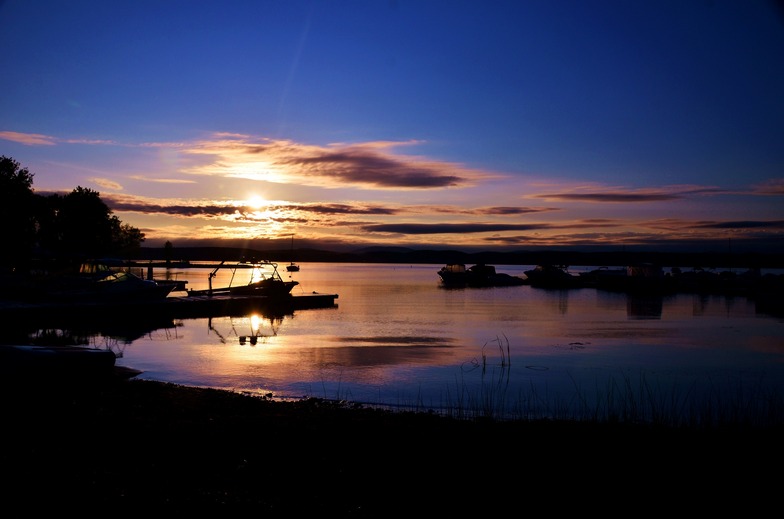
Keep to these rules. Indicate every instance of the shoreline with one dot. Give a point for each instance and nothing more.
(130, 442)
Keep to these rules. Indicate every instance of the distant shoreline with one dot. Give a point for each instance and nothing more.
(727, 260)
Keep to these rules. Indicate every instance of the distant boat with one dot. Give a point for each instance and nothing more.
(480, 275)
(292, 267)
(605, 278)
(552, 276)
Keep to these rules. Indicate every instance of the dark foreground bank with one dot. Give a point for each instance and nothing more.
(127, 447)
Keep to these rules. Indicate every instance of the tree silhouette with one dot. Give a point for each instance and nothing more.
(66, 227)
(80, 224)
(167, 252)
(17, 214)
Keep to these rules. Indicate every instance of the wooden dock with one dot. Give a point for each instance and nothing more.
(226, 304)
(172, 307)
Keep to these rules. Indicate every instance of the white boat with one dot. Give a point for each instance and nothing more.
(263, 279)
(99, 282)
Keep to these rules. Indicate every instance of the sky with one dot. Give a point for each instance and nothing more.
(471, 125)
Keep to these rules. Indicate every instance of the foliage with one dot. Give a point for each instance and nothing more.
(75, 225)
(17, 216)
(167, 252)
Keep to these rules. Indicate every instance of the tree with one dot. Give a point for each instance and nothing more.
(167, 252)
(59, 227)
(80, 224)
(127, 239)
(17, 214)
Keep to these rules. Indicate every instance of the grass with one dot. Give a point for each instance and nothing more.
(622, 399)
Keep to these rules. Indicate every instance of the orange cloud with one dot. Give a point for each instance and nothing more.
(366, 165)
(29, 139)
(106, 183)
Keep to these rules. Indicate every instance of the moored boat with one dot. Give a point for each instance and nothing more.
(552, 276)
(97, 281)
(263, 280)
(479, 275)
(292, 267)
(605, 278)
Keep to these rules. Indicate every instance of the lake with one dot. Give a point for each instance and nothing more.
(397, 338)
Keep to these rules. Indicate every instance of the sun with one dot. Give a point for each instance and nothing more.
(256, 202)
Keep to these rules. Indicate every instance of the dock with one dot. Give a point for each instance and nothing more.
(172, 307)
(192, 306)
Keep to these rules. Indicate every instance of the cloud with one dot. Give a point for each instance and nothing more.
(29, 139)
(343, 209)
(773, 187)
(163, 180)
(743, 224)
(608, 197)
(622, 195)
(462, 228)
(37, 139)
(366, 165)
(106, 183)
(141, 205)
(450, 228)
(512, 211)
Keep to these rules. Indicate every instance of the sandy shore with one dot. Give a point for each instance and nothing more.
(129, 447)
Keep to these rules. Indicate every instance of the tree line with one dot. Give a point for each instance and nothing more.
(56, 228)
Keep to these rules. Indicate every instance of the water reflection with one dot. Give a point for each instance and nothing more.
(51, 328)
(251, 329)
(644, 306)
(397, 338)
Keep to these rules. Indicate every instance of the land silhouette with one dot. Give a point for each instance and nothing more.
(121, 446)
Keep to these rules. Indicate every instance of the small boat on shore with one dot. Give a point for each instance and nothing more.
(479, 275)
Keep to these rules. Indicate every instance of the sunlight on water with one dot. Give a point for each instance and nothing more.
(397, 337)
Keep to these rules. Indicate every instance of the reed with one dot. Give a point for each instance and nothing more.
(624, 398)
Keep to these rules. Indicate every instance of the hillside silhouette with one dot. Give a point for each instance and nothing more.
(423, 256)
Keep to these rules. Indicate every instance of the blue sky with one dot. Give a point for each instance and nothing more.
(469, 125)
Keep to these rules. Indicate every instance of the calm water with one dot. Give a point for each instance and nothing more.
(396, 337)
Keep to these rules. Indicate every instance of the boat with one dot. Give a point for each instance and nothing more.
(552, 276)
(263, 280)
(647, 277)
(292, 267)
(605, 278)
(479, 275)
(102, 281)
